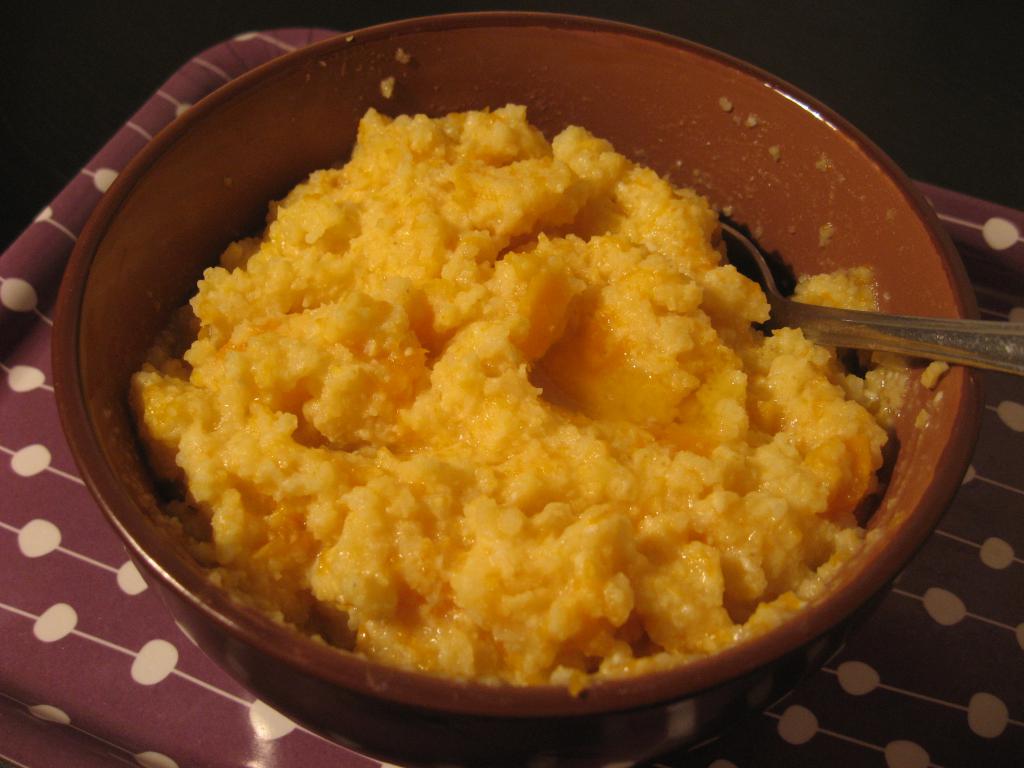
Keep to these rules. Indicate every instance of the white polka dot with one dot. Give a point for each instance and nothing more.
(1016, 315)
(246, 36)
(55, 623)
(154, 760)
(25, 378)
(943, 606)
(155, 662)
(30, 460)
(797, 725)
(129, 579)
(999, 233)
(181, 109)
(969, 475)
(1012, 415)
(268, 723)
(38, 537)
(18, 295)
(722, 764)
(103, 178)
(905, 754)
(987, 715)
(682, 720)
(43, 215)
(996, 553)
(50, 713)
(857, 678)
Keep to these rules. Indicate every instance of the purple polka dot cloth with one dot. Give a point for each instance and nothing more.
(94, 672)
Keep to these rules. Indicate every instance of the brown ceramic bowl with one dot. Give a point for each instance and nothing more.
(206, 180)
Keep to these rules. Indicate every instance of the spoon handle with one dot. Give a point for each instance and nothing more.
(994, 345)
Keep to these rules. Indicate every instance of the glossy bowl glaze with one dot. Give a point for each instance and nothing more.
(675, 106)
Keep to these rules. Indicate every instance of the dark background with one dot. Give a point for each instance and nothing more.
(938, 85)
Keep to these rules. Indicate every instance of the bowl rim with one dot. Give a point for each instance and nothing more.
(186, 581)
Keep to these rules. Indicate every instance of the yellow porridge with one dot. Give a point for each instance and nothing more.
(492, 407)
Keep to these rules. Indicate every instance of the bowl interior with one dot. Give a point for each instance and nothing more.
(780, 163)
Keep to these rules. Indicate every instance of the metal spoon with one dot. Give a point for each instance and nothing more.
(995, 345)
